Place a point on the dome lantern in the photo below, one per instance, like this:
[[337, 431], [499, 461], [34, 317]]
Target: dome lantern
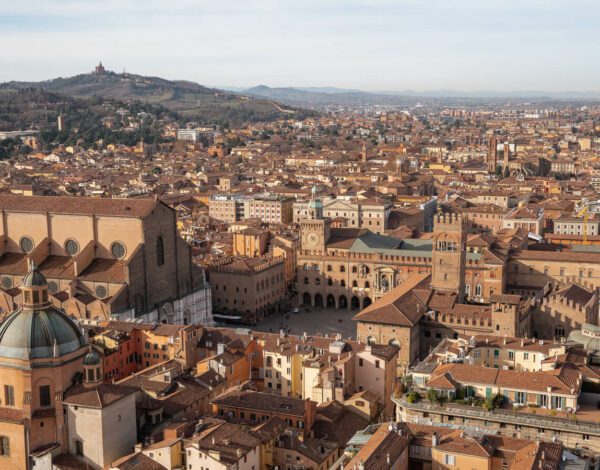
[[92, 369], [35, 288]]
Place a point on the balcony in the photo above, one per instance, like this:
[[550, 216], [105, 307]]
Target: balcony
[[503, 416]]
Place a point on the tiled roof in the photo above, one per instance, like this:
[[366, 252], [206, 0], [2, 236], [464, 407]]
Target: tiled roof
[[400, 306], [248, 399], [78, 205], [99, 396]]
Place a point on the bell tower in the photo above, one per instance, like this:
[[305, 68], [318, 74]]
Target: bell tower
[[315, 230], [448, 263]]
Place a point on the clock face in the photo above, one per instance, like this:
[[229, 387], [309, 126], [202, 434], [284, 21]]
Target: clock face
[[312, 239]]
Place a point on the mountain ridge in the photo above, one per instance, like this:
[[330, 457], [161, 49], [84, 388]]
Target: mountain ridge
[[190, 99]]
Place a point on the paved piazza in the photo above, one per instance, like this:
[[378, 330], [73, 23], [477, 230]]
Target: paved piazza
[[313, 321]]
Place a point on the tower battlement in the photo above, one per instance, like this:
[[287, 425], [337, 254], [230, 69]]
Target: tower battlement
[[449, 221]]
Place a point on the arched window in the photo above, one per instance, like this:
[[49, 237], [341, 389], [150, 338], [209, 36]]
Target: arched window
[[371, 340], [342, 269], [329, 268], [478, 290], [343, 283], [467, 290], [317, 281], [160, 252], [305, 280], [367, 285], [354, 269], [329, 281], [354, 283]]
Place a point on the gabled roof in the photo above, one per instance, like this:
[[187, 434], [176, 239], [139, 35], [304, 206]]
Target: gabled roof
[[401, 306]]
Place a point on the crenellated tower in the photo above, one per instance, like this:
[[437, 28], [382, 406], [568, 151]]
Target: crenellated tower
[[449, 254]]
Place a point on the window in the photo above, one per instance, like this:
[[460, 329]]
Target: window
[[342, 269], [4, 447], [526, 356], [9, 395], [101, 292], [376, 364], [52, 287], [360, 362], [449, 459], [72, 247], [45, 395], [79, 447], [26, 244], [160, 252], [117, 249]]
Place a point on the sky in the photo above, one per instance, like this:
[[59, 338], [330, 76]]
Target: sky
[[374, 45]]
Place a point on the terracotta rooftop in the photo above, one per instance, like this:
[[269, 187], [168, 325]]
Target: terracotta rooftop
[[77, 205]]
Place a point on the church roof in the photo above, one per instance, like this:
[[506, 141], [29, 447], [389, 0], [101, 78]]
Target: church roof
[[78, 205], [404, 305]]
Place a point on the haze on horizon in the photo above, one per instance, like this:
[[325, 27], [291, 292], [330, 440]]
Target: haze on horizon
[[474, 45]]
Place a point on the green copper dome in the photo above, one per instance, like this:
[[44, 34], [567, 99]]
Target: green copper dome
[[34, 334], [91, 359]]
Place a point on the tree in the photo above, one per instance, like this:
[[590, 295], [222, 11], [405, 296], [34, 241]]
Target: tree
[[488, 404], [413, 397], [431, 395]]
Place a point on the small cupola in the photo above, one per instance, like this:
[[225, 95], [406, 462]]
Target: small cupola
[[35, 288], [92, 369]]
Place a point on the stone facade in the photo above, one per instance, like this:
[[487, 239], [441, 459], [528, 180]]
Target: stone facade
[[102, 258]]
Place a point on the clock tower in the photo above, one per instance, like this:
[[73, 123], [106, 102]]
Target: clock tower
[[316, 229]]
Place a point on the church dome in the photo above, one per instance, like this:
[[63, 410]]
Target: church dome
[[39, 333], [37, 329]]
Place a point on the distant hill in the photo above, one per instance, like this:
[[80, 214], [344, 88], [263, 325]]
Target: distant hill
[[323, 96], [189, 99], [38, 109]]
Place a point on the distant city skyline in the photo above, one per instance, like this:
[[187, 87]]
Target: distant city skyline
[[392, 45]]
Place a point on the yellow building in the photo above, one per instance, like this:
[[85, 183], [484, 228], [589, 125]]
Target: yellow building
[[41, 350]]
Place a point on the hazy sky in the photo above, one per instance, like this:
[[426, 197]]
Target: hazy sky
[[550, 45]]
